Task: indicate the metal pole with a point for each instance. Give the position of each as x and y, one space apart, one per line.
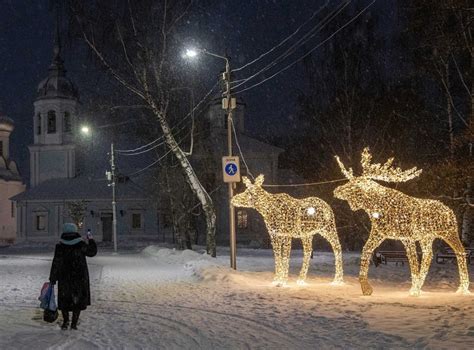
233 244
114 203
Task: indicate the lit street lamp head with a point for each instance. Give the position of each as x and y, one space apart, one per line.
85 130
191 53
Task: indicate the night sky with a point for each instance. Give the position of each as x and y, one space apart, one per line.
245 28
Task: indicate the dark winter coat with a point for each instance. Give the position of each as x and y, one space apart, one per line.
69 269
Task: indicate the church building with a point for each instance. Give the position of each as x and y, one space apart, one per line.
10 183
59 176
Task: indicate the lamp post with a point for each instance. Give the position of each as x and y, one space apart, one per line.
85 130
229 106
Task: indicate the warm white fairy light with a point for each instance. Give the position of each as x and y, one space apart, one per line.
395 215
286 218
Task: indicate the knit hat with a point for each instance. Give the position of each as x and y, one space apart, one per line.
69 228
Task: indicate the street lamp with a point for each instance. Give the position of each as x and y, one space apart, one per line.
85 130
229 105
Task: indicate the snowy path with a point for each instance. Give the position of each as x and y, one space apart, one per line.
183 300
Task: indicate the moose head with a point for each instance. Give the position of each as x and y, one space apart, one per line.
247 198
357 191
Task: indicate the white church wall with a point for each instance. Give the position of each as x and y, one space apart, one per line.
8 212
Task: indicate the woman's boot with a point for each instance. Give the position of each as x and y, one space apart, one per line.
75 318
65 319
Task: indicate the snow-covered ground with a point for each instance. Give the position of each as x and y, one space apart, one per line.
164 299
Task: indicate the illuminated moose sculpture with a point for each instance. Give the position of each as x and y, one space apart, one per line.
394 215
286 218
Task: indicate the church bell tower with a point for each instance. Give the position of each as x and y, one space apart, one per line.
53 154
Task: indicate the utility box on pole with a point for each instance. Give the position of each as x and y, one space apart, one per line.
231 169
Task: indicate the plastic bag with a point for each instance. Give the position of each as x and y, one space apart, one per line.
48 303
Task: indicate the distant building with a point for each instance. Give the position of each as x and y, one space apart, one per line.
58 175
10 183
261 158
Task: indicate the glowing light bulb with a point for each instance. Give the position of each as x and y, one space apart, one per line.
376 215
311 211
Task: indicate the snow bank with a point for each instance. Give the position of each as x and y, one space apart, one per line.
191 261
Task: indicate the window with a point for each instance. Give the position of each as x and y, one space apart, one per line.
13 209
67 122
136 221
1 148
51 122
242 219
38 125
40 222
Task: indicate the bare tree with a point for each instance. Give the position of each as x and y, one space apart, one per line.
76 211
135 41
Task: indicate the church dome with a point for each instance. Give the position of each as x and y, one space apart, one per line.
57 85
6 124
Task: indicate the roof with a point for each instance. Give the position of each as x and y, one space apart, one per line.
56 84
250 146
80 188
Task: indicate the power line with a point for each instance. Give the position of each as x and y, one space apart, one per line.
157 160
308 36
315 13
307 184
240 150
174 127
309 52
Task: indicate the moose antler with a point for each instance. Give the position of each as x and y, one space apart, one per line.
385 172
349 174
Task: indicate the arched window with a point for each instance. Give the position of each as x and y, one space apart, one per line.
67 122
38 125
51 122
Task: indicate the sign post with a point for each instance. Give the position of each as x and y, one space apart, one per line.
231 175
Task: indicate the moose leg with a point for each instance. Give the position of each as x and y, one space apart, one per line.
369 247
276 245
410 247
285 263
427 249
331 235
455 242
307 250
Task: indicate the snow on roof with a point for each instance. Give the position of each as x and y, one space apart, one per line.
81 188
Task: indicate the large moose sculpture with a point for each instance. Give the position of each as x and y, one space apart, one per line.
395 215
286 218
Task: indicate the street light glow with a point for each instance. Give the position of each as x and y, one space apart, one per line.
191 53
85 130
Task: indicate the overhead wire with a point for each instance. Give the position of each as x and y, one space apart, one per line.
196 106
315 13
157 160
303 40
309 52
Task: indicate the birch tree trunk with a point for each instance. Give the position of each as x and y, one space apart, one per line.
191 179
147 57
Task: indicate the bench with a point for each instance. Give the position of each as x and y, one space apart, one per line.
385 256
449 255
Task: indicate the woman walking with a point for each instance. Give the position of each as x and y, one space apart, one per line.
69 269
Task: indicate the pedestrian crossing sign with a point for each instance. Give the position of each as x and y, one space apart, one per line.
231 169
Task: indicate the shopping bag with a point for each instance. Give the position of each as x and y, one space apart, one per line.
44 296
48 303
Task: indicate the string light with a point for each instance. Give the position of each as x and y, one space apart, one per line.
395 215
286 218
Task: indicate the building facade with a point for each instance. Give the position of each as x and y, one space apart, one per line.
10 183
59 181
